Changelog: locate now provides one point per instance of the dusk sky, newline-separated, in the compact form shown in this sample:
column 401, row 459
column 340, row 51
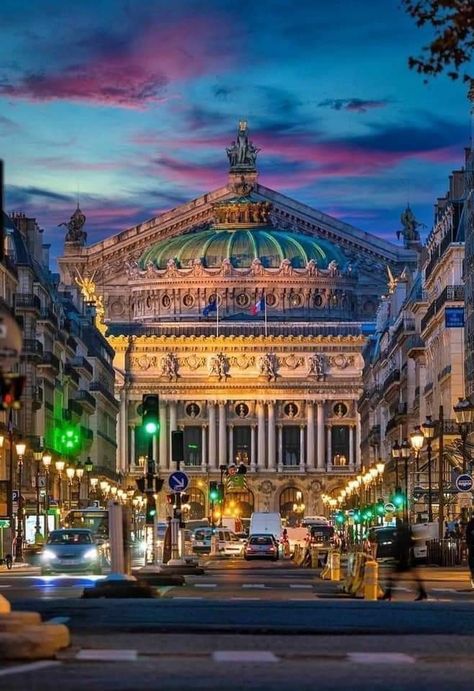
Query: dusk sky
column 129, row 104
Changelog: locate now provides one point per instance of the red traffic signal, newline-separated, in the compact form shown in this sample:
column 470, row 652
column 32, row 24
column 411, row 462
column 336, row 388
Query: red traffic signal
column 11, row 388
column 170, row 499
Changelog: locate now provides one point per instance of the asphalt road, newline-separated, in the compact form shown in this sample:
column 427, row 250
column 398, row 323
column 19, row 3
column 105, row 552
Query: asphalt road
column 258, row 625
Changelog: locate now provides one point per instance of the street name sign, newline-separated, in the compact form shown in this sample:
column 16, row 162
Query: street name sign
column 464, row 482
column 178, row 481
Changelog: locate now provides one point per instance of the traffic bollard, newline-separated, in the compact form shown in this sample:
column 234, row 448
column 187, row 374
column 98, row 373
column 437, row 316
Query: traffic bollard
column 214, row 545
column 335, row 572
column 314, row 557
column 371, row 580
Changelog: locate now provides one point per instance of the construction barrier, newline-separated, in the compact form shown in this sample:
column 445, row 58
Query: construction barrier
column 371, row 580
column 314, row 557
column 362, row 577
column 335, row 566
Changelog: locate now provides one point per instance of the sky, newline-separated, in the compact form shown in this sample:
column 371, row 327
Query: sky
column 128, row 105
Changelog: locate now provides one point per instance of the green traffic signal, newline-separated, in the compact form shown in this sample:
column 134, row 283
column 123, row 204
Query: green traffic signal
column 213, row 491
column 151, row 427
column 151, row 413
column 398, row 499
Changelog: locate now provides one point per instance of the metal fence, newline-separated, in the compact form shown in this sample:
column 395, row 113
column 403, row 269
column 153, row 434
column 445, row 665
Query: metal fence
column 448, row 552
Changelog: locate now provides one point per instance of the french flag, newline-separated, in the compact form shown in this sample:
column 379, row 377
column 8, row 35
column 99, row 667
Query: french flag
column 259, row 305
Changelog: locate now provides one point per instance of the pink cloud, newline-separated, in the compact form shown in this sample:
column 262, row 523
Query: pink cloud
column 131, row 78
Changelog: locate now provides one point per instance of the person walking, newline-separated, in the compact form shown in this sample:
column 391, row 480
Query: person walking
column 470, row 548
column 403, row 562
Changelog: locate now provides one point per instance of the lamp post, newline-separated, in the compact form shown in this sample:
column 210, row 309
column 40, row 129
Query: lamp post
column 47, row 460
column 88, row 467
column 38, row 456
column 79, row 475
column 396, row 455
column 70, row 472
column 60, row 467
column 405, row 454
column 464, row 412
column 20, row 452
column 428, row 429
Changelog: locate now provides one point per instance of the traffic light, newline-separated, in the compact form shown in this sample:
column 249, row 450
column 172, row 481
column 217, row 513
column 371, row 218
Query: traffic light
column 213, row 491
column 340, row 518
column 177, row 446
column 220, row 491
column 380, row 508
column 11, row 388
column 141, row 484
column 150, row 413
column 150, row 510
column 398, row 499
column 170, row 499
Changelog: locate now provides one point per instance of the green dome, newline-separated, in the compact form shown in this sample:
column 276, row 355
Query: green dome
column 242, row 246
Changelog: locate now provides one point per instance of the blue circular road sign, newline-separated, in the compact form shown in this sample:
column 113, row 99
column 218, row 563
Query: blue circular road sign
column 178, row 481
column 464, row 482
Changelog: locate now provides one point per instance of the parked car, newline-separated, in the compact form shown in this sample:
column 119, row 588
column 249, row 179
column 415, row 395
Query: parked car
column 228, row 543
column 71, row 550
column 261, row 547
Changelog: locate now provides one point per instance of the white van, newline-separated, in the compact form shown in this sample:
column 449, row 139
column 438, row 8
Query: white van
column 266, row 523
column 422, row 532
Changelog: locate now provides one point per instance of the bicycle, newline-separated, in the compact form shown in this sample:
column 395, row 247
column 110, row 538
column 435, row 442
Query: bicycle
column 7, row 561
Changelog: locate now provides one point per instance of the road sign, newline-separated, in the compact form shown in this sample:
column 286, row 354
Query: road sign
column 389, row 507
column 178, row 481
column 464, row 482
column 15, row 496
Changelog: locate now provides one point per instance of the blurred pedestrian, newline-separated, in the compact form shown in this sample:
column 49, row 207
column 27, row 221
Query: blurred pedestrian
column 470, row 548
column 402, row 552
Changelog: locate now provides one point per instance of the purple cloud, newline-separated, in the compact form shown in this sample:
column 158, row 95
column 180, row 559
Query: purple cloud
column 354, row 105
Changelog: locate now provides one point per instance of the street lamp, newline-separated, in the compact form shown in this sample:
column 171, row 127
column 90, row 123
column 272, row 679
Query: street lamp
column 20, row 452
column 70, row 472
column 405, row 454
column 47, row 460
column 396, row 456
column 88, row 466
column 59, row 465
column 428, row 429
column 38, row 456
column 464, row 412
column 79, row 475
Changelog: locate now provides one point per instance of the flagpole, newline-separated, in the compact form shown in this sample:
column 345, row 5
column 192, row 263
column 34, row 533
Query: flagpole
column 217, row 315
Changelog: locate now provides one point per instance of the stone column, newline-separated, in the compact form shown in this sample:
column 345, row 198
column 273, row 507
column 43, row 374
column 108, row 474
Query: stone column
column 310, row 435
column 253, row 449
column 173, row 427
column 280, row 447
column 261, row 436
column 351, row 446
column 213, row 462
column 133, row 460
column 271, row 436
column 357, row 459
column 222, row 434
column 204, row 458
column 302, row 454
column 321, row 454
column 163, row 462
column 231, row 445
column 329, row 459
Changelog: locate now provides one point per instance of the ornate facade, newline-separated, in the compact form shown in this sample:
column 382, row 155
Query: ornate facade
column 247, row 312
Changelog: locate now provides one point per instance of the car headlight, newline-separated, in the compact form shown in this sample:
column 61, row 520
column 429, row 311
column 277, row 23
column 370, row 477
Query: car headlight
column 48, row 554
column 91, row 553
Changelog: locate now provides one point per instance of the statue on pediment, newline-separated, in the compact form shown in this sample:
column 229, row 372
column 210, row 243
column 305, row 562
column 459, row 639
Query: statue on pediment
column 256, row 267
column 332, row 267
column 410, row 225
column 132, row 268
column 316, row 366
column 226, row 267
column 312, row 268
column 170, row 367
column 242, row 153
column 286, row 268
column 268, row 366
column 219, row 366
column 171, row 267
column 74, row 227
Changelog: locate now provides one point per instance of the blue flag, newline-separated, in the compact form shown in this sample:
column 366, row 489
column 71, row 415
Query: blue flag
column 211, row 307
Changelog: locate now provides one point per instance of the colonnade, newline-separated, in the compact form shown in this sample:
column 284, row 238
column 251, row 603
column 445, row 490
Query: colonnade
column 266, row 436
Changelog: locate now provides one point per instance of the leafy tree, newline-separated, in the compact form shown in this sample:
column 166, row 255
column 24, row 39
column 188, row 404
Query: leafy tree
column 453, row 44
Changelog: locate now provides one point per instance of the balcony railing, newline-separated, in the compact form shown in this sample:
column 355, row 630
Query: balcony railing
column 85, row 398
column 414, row 342
column 100, row 388
column 71, row 372
column 48, row 315
column 393, row 378
column 75, row 407
column 79, row 362
column 444, row 372
column 27, row 301
column 449, row 294
column 49, row 359
column 31, row 346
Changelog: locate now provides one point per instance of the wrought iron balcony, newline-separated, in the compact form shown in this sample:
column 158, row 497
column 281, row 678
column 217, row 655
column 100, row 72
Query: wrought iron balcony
column 104, row 391
column 393, row 378
column 27, row 301
column 80, row 363
column 49, row 361
column 86, row 399
column 32, row 347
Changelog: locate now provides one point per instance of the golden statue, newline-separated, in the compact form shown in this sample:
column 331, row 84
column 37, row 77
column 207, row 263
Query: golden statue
column 88, row 291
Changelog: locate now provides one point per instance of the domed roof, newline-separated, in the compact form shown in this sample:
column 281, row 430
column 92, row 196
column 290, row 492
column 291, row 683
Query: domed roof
column 242, row 245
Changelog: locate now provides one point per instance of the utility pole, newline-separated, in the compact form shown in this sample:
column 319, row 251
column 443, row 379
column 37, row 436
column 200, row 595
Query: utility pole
column 440, row 473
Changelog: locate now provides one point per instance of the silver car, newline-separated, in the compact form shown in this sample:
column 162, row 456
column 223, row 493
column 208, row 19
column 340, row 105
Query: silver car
column 71, row 550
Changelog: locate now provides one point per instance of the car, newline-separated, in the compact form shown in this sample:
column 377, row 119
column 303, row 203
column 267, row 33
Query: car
column 261, row 547
column 71, row 550
column 228, row 543
column 382, row 541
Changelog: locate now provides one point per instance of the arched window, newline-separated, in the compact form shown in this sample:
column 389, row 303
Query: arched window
column 239, row 504
column 292, row 505
column 197, row 504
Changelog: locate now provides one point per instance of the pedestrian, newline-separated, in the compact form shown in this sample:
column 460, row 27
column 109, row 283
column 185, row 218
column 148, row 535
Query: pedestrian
column 470, row 548
column 402, row 552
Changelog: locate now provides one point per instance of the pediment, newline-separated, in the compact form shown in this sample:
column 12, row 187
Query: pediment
column 110, row 259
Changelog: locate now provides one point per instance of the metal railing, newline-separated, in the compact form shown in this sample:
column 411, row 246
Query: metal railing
column 28, row 301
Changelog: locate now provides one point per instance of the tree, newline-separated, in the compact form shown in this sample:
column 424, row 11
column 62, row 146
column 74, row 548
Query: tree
column 453, row 43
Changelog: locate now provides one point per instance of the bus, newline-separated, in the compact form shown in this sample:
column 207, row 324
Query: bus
column 92, row 518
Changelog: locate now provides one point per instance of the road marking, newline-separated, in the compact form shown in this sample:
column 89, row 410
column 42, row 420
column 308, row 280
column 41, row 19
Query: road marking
column 402, row 590
column 244, row 656
column 58, row 620
column 184, row 597
column 5, row 586
column 443, row 590
column 380, row 658
column 246, row 598
column 33, row 667
column 253, row 585
column 205, row 585
column 107, row 655
column 296, row 585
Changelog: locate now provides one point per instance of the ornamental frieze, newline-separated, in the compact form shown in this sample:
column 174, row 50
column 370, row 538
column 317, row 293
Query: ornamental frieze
column 193, row 362
column 341, row 361
column 242, row 361
column 292, row 361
